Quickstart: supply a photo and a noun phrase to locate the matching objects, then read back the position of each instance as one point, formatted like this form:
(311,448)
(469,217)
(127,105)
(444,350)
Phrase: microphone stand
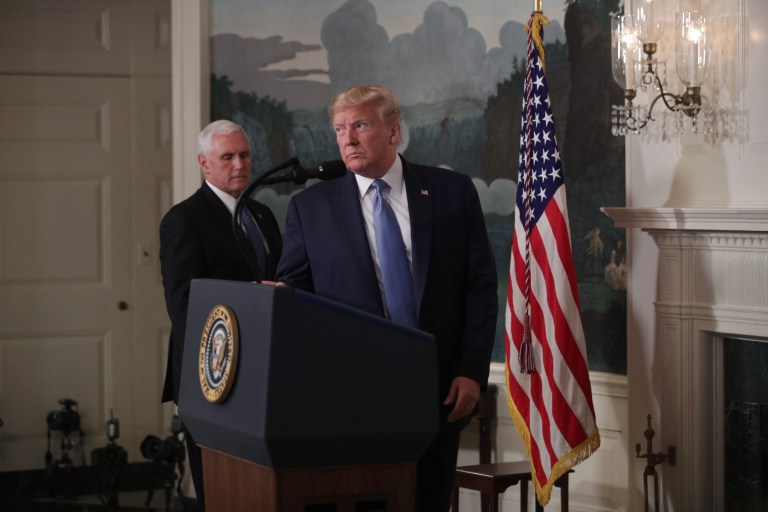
(242,238)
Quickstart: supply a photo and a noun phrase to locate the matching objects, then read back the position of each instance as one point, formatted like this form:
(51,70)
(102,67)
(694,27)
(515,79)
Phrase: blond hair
(366,94)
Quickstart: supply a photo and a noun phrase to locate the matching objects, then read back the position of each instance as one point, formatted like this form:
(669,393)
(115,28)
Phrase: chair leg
(523,496)
(494,502)
(455,499)
(485,498)
(564,493)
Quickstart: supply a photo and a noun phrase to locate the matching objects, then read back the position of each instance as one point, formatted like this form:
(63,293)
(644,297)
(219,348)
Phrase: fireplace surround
(712,284)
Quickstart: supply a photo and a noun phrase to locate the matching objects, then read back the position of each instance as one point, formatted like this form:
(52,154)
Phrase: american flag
(549,393)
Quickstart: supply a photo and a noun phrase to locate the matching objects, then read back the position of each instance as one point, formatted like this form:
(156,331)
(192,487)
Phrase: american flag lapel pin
(424,192)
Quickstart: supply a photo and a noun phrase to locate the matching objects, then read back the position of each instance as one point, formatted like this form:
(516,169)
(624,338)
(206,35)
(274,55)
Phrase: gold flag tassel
(535,28)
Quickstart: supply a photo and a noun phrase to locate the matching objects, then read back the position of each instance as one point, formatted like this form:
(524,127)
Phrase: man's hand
(464,394)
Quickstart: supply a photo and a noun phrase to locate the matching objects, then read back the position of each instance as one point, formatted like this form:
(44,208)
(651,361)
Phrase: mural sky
(416,46)
(297,19)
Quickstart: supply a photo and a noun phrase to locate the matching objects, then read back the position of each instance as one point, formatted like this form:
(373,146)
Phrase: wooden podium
(243,485)
(329,407)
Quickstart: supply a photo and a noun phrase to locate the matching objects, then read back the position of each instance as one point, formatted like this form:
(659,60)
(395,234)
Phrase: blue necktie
(254,235)
(395,273)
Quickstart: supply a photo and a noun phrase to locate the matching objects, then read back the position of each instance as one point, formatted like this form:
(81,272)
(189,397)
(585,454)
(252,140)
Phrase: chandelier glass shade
(634,42)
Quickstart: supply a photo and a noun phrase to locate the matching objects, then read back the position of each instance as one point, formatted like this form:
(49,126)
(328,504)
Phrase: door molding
(191,91)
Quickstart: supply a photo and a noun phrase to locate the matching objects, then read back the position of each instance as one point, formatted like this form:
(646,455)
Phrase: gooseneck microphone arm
(240,236)
(263,179)
(297,175)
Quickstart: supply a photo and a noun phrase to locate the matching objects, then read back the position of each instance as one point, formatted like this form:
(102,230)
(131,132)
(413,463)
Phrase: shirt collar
(227,199)
(393,177)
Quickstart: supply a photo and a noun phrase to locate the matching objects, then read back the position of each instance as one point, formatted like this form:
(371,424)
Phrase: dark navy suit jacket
(326,251)
(197,241)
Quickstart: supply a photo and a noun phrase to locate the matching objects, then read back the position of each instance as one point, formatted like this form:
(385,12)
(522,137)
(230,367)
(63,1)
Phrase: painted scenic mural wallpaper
(457,67)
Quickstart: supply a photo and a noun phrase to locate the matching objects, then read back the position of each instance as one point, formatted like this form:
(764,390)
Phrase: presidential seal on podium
(218,353)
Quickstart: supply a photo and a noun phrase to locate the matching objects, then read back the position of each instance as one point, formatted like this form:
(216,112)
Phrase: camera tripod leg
(168,494)
(150,494)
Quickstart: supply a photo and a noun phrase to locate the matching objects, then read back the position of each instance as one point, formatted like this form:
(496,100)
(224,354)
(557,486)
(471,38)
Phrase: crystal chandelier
(634,40)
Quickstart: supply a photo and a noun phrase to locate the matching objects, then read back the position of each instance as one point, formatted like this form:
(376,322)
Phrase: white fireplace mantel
(711,284)
(691,219)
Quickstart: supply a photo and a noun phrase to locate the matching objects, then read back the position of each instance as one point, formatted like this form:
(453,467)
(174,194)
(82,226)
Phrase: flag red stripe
(572,351)
(534,395)
(563,415)
(537,327)
(556,217)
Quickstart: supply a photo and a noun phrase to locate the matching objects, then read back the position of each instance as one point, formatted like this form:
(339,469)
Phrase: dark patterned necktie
(395,272)
(254,235)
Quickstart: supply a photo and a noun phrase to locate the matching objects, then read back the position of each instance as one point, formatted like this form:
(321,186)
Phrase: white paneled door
(84,179)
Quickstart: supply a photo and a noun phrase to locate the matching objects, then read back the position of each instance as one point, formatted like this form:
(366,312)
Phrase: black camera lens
(169,451)
(150,447)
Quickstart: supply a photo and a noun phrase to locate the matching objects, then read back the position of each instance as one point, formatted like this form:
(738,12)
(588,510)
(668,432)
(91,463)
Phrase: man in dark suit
(197,241)
(330,247)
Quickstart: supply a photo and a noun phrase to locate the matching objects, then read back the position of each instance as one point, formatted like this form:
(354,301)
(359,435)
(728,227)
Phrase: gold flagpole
(537,5)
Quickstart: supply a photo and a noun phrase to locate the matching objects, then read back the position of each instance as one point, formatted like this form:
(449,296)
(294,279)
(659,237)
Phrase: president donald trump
(407,242)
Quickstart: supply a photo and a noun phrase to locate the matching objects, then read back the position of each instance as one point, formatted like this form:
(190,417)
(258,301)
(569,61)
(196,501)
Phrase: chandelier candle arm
(633,46)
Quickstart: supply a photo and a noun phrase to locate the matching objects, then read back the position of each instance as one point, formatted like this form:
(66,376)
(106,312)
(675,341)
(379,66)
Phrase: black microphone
(299,175)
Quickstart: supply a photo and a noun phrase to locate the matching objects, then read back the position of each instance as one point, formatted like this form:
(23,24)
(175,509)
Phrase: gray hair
(220,127)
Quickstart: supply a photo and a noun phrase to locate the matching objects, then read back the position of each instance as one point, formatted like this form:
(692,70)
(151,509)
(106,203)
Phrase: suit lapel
(221,215)
(420,207)
(272,238)
(349,216)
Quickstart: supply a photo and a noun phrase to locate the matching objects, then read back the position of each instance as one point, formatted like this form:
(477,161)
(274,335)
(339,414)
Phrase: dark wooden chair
(492,479)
